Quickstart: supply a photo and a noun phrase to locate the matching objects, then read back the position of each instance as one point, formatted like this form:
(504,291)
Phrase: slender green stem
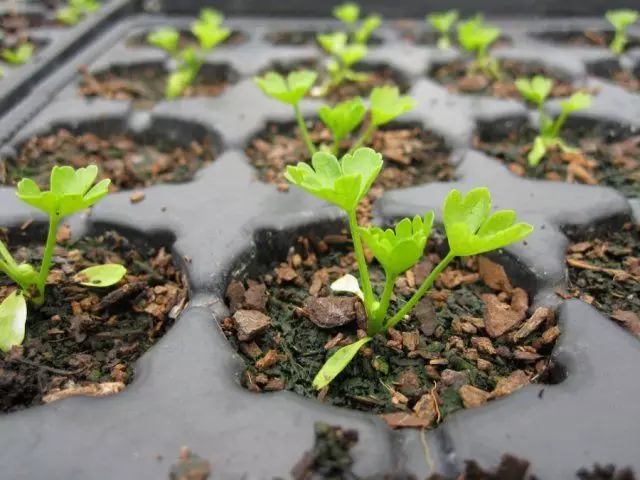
(426,285)
(336,145)
(369,298)
(375,325)
(371,128)
(46,258)
(303,131)
(557,124)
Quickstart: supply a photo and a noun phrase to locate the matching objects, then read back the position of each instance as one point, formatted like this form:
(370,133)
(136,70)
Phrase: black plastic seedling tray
(226,222)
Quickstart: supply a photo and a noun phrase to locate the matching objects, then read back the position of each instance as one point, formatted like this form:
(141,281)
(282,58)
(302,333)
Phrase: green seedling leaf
(622,19)
(474,35)
(20,55)
(387,104)
(332,43)
(399,250)
(177,82)
(577,101)
(165,38)
(13,317)
(68,15)
(344,118)
(536,90)
(348,284)
(342,183)
(352,54)
(291,90)
(70,191)
(538,151)
(337,363)
(209,36)
(443,22)
(348,12)
(369,25)
(23,274)
(85,6)
(101,275)
(472,231)
(211,17)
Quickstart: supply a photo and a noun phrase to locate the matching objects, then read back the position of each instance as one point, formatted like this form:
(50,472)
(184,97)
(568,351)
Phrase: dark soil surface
(145,85)
(625,78)
(82,340)
(470,340)
(187,39)
(13,23)
(127,161)
(412,156)
(454,76)
(587,38)
(605,272)
(606,157)
(430,38)
(379,75)
(331,457)
(302,38)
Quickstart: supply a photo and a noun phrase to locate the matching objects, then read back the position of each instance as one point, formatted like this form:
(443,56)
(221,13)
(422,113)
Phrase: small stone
(493,275)
(408,383)
(425,313)
(251,349)
(484,365)
(499,317)
(255,298)
(541,314)
(426,408)
(550,335)
(274,385)
(410,340)
(483,345)
(235,296)
(510,384)
(268,361)
(330,312)
(525,356)
(473,397)
(285,273)
(454,379)
(249,324)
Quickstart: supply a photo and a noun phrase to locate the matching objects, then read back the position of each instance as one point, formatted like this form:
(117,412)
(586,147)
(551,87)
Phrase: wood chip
(629,320)
(473,397)
(93,390)
(494,275)
(136,197)
(269,360)
(550,335)
(405,420)
(499,317)
(510,384)
(542,314)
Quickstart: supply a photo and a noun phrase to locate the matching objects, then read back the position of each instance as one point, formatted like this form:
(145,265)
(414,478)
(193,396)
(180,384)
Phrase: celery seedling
(537,90)
(70,191)
(476,37)
(349,14)
(470,227)
(443,22)
(19,55)
(290,91)
(76,9)
(621,21)
(209,32)
(386,104)
(343,57)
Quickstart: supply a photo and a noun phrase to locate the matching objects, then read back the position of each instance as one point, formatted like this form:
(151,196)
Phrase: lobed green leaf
(347,12)
(344,118)
(13,317)
(387,104)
